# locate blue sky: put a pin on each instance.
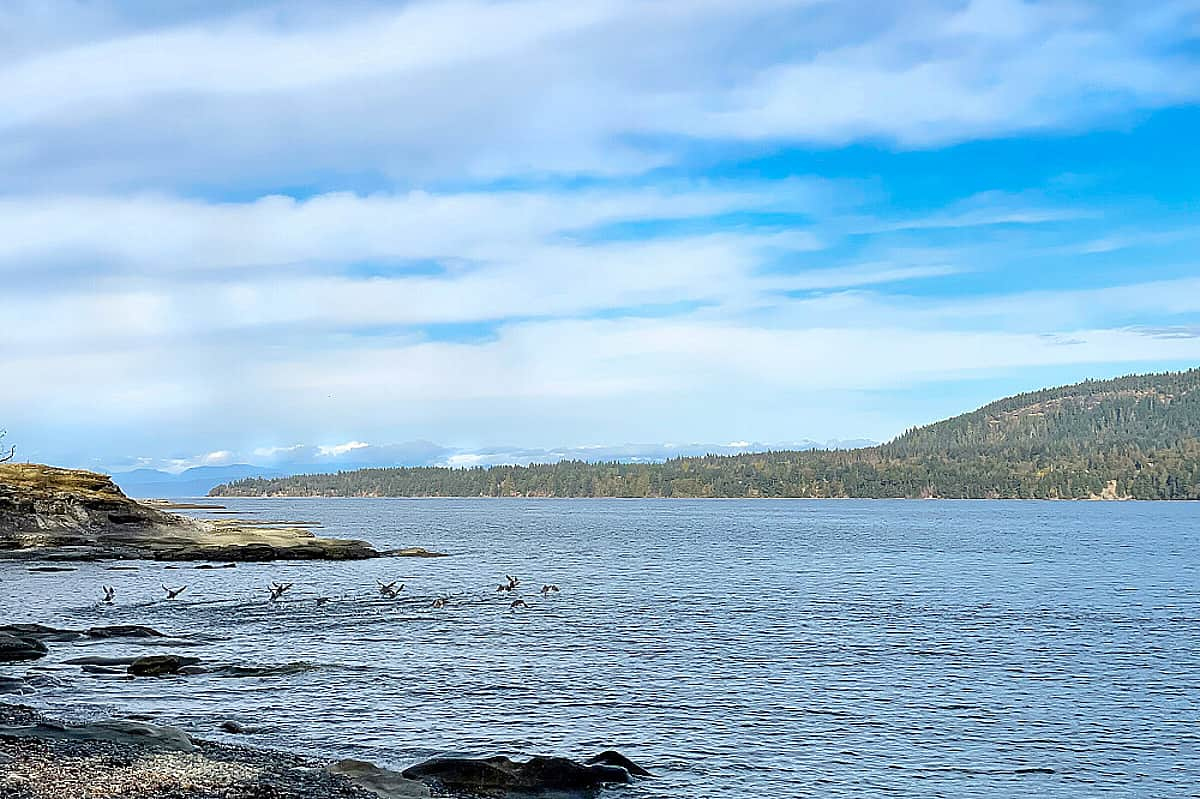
(470, 232)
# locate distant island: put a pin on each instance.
(1134, 437)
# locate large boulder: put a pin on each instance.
(500, 774)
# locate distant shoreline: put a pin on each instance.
(713, 499)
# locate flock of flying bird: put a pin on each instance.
(387, 590)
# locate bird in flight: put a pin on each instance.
(390, 590)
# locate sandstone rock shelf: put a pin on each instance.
(47, 513)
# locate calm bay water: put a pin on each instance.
(736, 648)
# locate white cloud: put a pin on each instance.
(162, 234)
(471, 89)
(341, 449)
(153, 280)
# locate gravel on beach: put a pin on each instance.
(33, 767)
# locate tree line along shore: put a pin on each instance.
(1134, 437)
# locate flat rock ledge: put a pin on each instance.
(52, 514)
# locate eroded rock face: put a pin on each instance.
(69, 514)
(500, 774)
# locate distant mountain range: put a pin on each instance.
(1132, 437)
(194, 482)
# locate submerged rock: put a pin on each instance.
(123, 631)
(100, 660)
(89, 668)
(611, 757)
(14, 649)
(380, 781)
(193, 670)
(412, 552)
(39, 632)
(160, 665)
(502, 774)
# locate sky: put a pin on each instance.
(467, 231)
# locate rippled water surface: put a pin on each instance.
(749, 649)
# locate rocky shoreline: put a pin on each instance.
(45, 759)
(47, 513)
(130, 758)
(125, 759)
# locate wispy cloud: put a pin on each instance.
(442, 89)
(559, 223)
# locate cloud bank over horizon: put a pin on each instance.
(300, 458)
(521, 228)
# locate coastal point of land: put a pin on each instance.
(48, 513)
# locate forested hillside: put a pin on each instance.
(1136, 436)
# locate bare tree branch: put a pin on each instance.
(11, 450)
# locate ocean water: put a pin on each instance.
(735, 648)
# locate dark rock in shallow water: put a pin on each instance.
(159, 665)
(412, 552)
(51, 569)
(611, 757)
(501, 774)
(99, 660)
(123, 631)
(88, 668)
(237, 728)
(39, 632)
(13, 649)
(380, 781)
